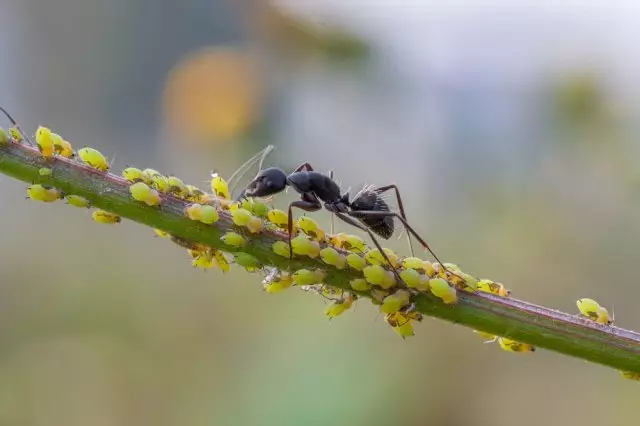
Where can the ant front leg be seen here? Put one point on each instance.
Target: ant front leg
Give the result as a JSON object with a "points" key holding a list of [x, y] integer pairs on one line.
{"points": [[358, 225], [309, 203], [386, 188], [304, 166]]}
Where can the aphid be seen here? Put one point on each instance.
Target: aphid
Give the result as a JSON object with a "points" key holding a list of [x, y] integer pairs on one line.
{"points": [[221, 260], [429, 269], [140, 191], [360, 284], [203, 260], [513, 346], [413, 263], [45, 171], [193, 211], [591, 309], [62, 147], [4, 136], [301, 245], [489, 338], [308, 277], [356, 261], [377, 275], [353, 243], [196, 195], [46, 194], [78, 201], [465, 282], [413, 279], [443, 290], [151, 173], [208, 214], [378, 295], [255, 225], [375, 257], [44, 141], [161, 183], [16, 134], [310, 228], [258, 208], [241, 216], [280, 248], [330, 256], [135, 175], [630, 375], [401, 324], [233, 239], [220, 187], [338, 307], [177, 187], [102, 216], [94, 158], [278, 218], [247, 261], [276, 282], [488, 286], [396, 301], [162, 234]]}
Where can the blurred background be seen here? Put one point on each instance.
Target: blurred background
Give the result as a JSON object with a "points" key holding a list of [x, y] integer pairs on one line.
{"points": [[511, 129]]}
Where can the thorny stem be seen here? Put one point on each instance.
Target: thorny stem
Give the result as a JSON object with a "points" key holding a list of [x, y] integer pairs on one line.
{"points": [[508, 317]]}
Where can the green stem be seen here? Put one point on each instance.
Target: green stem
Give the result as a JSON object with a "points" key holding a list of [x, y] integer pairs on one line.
{"points": [[543, 327]]}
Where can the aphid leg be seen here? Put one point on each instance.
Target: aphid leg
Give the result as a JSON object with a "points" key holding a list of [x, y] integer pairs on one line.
{"points": [[309, 203], [345, 218], [383, 189], [375, 213], [15, 124]]}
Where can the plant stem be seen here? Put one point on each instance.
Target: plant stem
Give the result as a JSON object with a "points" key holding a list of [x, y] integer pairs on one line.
{"points": [[543, 327]]}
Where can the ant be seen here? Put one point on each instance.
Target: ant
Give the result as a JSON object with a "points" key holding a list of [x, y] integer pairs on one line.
{"points": [[317, 190]]}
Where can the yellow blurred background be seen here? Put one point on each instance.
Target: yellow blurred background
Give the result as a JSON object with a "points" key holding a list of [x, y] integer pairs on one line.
{"points": [[510, 128]]}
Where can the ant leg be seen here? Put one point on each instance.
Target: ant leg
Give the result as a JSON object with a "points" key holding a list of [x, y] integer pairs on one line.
{"points": [[303, 166], [307, 204], [375, 213], [383, 189], [353, 222], [332, 216]]}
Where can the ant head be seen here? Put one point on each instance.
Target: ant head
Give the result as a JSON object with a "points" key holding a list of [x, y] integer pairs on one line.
{"points": [[268, 182]]}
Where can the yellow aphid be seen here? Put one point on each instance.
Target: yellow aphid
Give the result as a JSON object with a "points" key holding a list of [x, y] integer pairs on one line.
{"points": [[77, 201], [195, 194], [308, 277], [630, 375], [396, 301], [220, 187], [301, 245], [360, 284], [241, 217], [488, 286], [43, 193], [94, 158], [377, 275], [275, 286], [221, 260], [233, 239], [151, 173], [255, 225], [162, 234], [331, 256], [203, 260], [45, 142], [314, 249], [591, 309], [247, 261], [413, 279], [338, 307], [465, 282], [374, 257], [413, 263], [193, 211], [280, 248], [310, 228], [278, 218], [45, 171], [135, 175], [4, 136], [153, 199], [513, 346], [177, 187], [161, 183], [429, 269], [487, 336], [208, 214], [356, 261], [62, 147], [15, 134], [378, 295], [140, 191], [102, 216], [443, 290], [353, 243], [400, 323]]}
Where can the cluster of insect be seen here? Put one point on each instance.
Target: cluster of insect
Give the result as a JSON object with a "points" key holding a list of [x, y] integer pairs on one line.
{"points": [[388, 280]]}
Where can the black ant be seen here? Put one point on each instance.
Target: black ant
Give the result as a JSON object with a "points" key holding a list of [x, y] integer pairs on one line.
{"points": [[316, 189]]}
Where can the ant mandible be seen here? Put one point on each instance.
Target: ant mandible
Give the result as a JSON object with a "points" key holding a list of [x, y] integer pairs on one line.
{"points": [[316, 189]]}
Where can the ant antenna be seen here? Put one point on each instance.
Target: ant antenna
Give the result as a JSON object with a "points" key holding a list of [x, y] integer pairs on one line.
{"points": [[243, 169], [15, 124]]}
